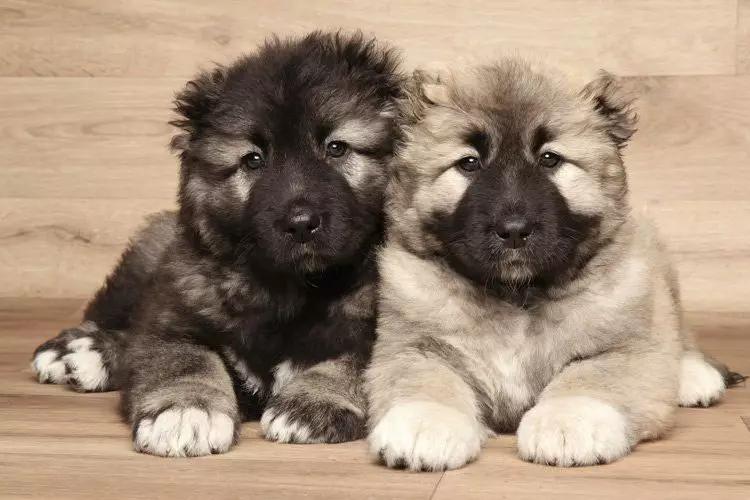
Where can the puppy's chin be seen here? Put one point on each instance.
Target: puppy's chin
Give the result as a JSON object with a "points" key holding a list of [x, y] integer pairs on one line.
{"points": [[488, 263], [502, 272], [309, 258], [291, 258], [313, 257], [514, 272]]}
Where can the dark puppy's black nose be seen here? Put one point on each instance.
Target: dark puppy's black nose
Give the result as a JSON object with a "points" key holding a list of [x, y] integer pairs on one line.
{"points": [[302, 223], [514, 231]]}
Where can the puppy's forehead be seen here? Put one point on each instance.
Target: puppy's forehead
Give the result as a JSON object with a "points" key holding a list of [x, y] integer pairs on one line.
{"points": [[512, 98], [283, 109]]}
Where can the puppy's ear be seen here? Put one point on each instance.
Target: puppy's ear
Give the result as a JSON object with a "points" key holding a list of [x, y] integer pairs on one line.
{"points": [[193, 104], [433, 86], [425, 88], [608, 98]]}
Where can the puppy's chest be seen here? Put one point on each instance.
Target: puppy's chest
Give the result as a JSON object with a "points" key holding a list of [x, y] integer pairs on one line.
{"points": [[264, 340], [262, 355], [513, 359], [264, 351]]}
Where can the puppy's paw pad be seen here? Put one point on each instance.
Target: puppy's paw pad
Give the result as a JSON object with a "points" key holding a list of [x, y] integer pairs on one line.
{"points": [[84, 366], [425, 436], [570, 431], [181, 432], [283, 428], [48, 367], [700, 383]]}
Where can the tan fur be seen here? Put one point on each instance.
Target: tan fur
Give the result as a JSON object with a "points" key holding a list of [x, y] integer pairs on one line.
{"points": [[599, 357]]}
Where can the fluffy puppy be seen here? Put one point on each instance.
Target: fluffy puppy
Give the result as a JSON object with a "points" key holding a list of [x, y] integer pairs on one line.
{"points": [[518, 292], [258, 295]]}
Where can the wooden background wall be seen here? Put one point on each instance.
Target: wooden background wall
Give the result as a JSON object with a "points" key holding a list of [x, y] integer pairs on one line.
{"points": [[85, 90]]}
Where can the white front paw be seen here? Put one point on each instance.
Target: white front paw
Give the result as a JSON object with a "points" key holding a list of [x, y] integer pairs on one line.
{"points": [[87, 371], [700, 383], [180, 432], [574, 430], [427, 436], [48, 367], [282, 428]]}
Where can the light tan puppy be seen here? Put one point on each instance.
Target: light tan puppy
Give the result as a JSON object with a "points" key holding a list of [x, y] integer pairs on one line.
{"points": [[518, 292]]}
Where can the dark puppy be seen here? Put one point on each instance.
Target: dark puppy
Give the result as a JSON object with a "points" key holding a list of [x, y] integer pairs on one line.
{"points": [[258, 295]]}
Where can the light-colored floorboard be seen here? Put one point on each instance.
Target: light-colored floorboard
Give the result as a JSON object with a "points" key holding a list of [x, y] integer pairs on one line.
{"points": [[743, 36]]}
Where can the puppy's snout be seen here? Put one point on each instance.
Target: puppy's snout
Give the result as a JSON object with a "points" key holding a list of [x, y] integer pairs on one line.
{"points": [[514, 231], [301, 223]]}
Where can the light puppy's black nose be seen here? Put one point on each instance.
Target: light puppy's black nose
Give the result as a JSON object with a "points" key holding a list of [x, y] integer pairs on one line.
{"points": [[514, 231], [302, 223]]}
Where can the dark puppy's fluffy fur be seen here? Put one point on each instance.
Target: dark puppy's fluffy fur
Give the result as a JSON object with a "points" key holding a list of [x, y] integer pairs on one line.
{"points": [[258, 294]]}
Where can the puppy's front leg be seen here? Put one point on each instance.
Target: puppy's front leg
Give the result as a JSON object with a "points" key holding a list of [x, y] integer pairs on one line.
{"points": [[323, 403], [423, 412], [597, 409], [179, 399]]}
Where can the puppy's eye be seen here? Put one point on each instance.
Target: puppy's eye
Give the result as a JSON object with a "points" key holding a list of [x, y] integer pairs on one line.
{"points": [[337, 149], [550, 160], [468, 164], [253, 160]]}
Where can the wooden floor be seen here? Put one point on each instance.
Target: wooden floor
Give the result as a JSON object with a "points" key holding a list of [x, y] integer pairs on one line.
{"points": [[55, 443]]}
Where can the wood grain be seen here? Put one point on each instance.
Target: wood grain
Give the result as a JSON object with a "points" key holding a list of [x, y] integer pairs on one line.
{"points": [[743, 36], [86, 138], [60, 444], [173, 37], [64, 247], [686, 170]]}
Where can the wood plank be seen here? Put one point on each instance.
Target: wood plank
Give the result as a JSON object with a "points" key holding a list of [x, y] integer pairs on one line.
{"points": [[86, 138], [64, 248], [743, 36], [173, 37], [692, 141], [686, 168]]}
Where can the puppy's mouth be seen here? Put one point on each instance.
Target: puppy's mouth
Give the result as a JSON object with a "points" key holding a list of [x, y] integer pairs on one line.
{"points": [[515, 265], [311, 253], [515, 261]]}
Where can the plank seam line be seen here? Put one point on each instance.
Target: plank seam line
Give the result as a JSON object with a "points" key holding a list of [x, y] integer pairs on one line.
{"points": [[434, 490]]}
